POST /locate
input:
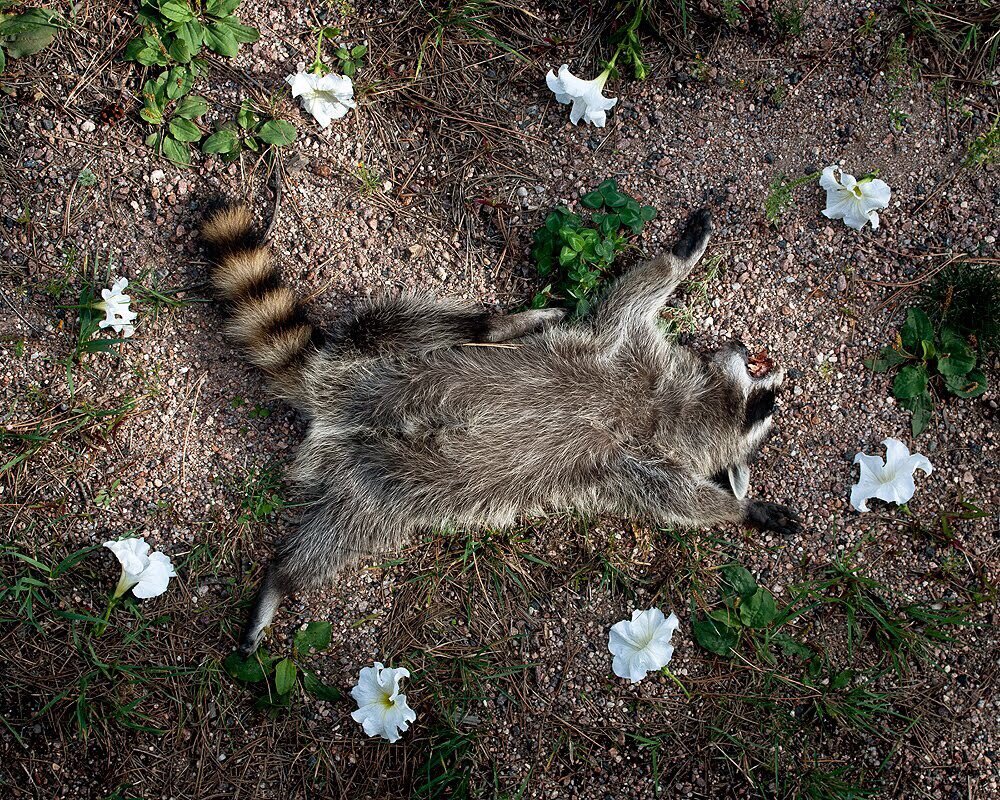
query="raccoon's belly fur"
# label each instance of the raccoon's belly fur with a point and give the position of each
(426, 414)
(479, 435)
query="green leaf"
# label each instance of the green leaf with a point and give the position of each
(714, 637)
(252, 670)
(277, 132)
(842, 679)
(916, 329)
(972, 384)
(152, 115)
(318, 689)
(888, 358)
(191, 107)
(955, 357)
(647, 213)
(315, 635)
(359, 50)
(614, 199)
(791, 647)
(222, 141)
(284, 676)
(179, 50)
(246, 118)
(32, 30)
(739, 580)
(178, 152)
(758, 610)
(176, 10)
(567, 255)
(221, 8)
(593, 200)
(220, 39)
(3, 61)
(243, 34)
(574, 240)
(921, 408)
(184, 130)
(179, 81)
(910, 382)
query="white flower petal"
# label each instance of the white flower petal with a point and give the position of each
(589, 104)
(325, 97)
(642, 644)
(890, 480)
(382, 709)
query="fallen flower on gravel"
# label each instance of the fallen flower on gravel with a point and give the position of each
(642, 644)
(855, 202)
(146, 574)
(588, 102)
(382, 710)
(326, 97)
(891, 480)
(115, 305)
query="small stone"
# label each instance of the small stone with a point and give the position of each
(441, 273)
(156, 176)
(88, 126)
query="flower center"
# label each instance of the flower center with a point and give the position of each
(857, 190)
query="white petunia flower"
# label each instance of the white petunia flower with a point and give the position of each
(115, 305)
(588, 102)
(382, 710)
(642, 644)
(146, 574)
(891, 480)
(855, 202)
(326, 97)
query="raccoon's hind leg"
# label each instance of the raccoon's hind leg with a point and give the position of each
(636, 299)
(415, 325)
(332, 534)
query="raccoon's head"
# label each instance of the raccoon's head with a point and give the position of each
(754, 396)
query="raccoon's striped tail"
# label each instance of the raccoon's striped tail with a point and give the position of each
(264, 317)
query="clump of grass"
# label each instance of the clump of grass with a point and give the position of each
(985, 148)
(963, 35)
(780, 197)
(788, 18)
(966, 296)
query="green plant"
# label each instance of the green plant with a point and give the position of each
(576, 256)
(788, 18)
(348, 59)
(261, 496)
(166, 102)
(627, 44)
(274, 680)
(780, 198)
(86, 178)
(926, 359)
(252, 131)
(985, 148)
(966, 297)
(965, 32)
(174, 33)
(25, 33)
(745, 606)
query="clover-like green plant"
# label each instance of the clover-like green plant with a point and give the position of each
(576, 255)
(928, 360)
(251, 131)
(745, 605)
(174, 34)
(274, 680)
(176, 31)
(25, 33)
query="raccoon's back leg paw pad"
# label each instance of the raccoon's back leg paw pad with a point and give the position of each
(773, 517)
(697, 229)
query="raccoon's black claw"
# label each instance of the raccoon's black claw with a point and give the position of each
(773, 517)
(248, 644)
(697, 229)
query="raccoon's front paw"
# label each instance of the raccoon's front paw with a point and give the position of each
(249, 642)
(773, 517)
(697, 231)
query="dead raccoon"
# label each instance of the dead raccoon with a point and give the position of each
(417, 422)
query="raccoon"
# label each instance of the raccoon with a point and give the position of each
(426, 413)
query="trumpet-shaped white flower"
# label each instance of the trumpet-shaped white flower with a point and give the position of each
(588, 102)
(326, 97)
(115, 305)
(382, 710)
(855, 202)
(642, 644)
(890, 480)
(146, 574)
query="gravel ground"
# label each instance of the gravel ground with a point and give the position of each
(712, 130)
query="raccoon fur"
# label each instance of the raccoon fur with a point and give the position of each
(430, 413)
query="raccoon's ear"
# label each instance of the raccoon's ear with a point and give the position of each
(735, 479)
(739, 480)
